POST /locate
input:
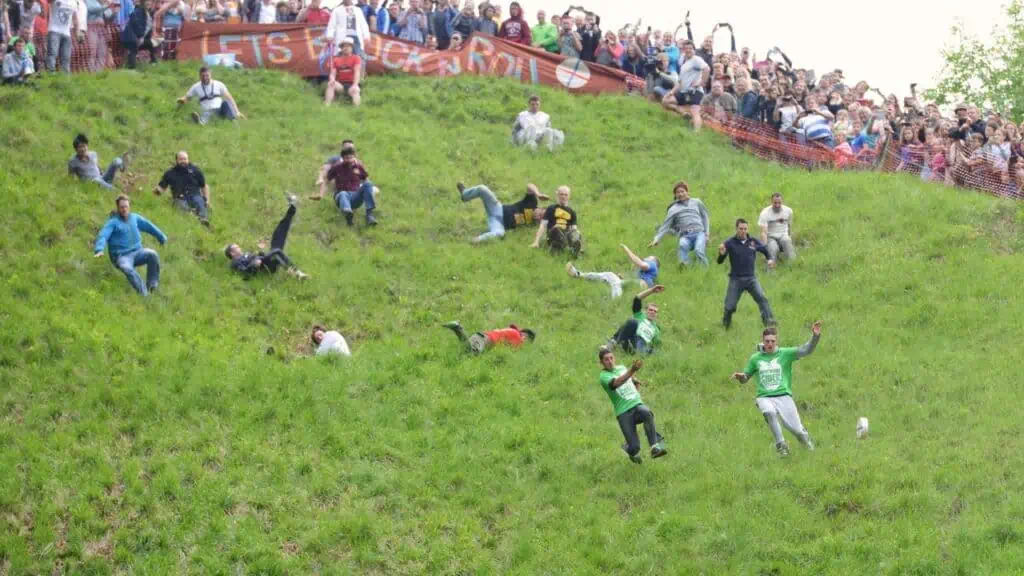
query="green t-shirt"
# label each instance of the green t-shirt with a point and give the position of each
(545, 36)
(624, 397)
(774, 371)
(648, 331)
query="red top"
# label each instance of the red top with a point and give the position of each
(511, 336)
(345, 68)
(318, 16)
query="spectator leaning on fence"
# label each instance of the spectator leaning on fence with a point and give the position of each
(97, 11)
(545, 34)
(214, 98)
(515, 29)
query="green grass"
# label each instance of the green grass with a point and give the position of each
(159, 436)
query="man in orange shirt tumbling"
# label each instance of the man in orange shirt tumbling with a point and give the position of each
(479, 342)
(346, 72)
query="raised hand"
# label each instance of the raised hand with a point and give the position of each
(816, 328)
(637, 365)
(721, 249)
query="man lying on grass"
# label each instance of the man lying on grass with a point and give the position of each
(329, 342)
(647, 273)
(249, 264)
(640, 333)
(481, 341)
(502, 217)
(620, 385)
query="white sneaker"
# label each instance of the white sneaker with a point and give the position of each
(571, 270)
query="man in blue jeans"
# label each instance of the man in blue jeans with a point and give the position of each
(86, 164)
(353, 187)
(502, 217)
(122, 233)
(688, 218)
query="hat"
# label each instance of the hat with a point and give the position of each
(960, 106)
(348, 40)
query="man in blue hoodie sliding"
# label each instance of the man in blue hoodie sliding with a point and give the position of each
(122, 233)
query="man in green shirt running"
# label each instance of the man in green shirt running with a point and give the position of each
(630, 410)
(641, 332)
(773, 367)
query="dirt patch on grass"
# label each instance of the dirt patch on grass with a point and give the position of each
(103, 547)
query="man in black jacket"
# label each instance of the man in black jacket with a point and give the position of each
(188, 186)
(742, 251)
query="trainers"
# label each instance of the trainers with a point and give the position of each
(571, 270)
(301, 275)
(657, 451)
(453, 325)
(291, 198)
(370, 220)
(349, 218)
(204, 222)
(634, 457)
(461, 187)
(782, 448)
(196, 118)
(152, 287)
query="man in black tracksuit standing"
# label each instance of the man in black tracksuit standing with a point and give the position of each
(742, 251)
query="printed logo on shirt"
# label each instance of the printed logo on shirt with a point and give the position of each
(645, 330)
(526, 217)
(562, 218)
(770, 373)
(627, 391)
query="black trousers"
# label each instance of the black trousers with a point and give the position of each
(132, 52)
(276, 257)
(628, 421)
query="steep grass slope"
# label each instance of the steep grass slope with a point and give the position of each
(159, 436)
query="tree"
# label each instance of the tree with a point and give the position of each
(988, 76)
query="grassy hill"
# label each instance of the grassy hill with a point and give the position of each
(164, 436)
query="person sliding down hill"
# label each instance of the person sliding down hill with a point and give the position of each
(559, 224)
(482, 341)
(647, 273)
(502, 217)
(640, 333)
(773, 367)
(321, 179)
(249, 264)
(533, 127)
(329, 342)
(620, 385)
(353, 187)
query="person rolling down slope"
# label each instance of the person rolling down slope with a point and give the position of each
(502, 217)
(773, 367)
(640, 333)
(647, 273)
(620, 385)
(482, 341)
(249, 264)
(329, 342)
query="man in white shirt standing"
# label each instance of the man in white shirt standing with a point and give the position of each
(63, 20)
(329, 342)
(214, 98)
(533, 126)
(347, 21)
(776, 221)
(687, 96)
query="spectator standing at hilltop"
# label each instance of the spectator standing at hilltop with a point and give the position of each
(545, 34)
(170, 18)
(314, 14)
(515, 29)
(63, 24)
(214, 99)
(347, 21)
(440, 23)
(719, 102)
(747, 102)
(413, 23)
(590, 36)
(97, 34)
(121, 237)
(569, 42)
(742, 252)
(486, 24)
(687, 218)
(776, 223)
(138, 35)
(188, 186)
(465, 22)
(85, 163)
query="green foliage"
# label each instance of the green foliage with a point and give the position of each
(986, 74)
(159, 436)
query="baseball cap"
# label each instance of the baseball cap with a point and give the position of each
(960, 106)
(347, 40)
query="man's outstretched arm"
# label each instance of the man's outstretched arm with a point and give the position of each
(641, 264)
(811, 344)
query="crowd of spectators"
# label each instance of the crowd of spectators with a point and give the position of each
(850, 119)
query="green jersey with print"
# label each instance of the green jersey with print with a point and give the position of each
(774, 372)
(648, 331)
(625, 396)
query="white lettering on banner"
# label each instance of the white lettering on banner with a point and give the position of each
(254, 39)
(384, 55)
(414, 60)
(278, 54)
(477, 60)
(226, 39)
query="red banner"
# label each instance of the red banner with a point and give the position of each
(301, 48)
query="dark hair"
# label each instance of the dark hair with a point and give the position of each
(534, 98)
(603, 352)
(227, 251)
(529, 334)
(779, 194)
(312, 333)
(348, 152)
(121, 197)
(80, 139)
(740, 221)
(204, 69)
(769, 331)
(682, 184)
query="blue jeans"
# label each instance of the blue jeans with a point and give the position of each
(695, 241)
(127, 263)
(58, 44)
(225, 111)
(349, 201)
(107, 180)
(193, 203)
(493, 209)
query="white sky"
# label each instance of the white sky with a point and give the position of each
(889, 43)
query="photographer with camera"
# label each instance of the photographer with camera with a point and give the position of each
(590, 36)
(569, 42)
(687, 96)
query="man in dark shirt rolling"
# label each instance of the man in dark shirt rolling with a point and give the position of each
(188, 186)
(248, 264)
(502, 217)
(742, 251)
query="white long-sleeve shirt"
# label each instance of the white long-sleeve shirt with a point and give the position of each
(333, 343)
(340, 25)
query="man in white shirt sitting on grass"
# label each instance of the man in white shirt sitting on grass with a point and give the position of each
(533, 127)
(214, 98)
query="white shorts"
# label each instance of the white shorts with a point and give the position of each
(785, 408)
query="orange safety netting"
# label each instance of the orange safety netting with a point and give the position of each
(102, 49)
